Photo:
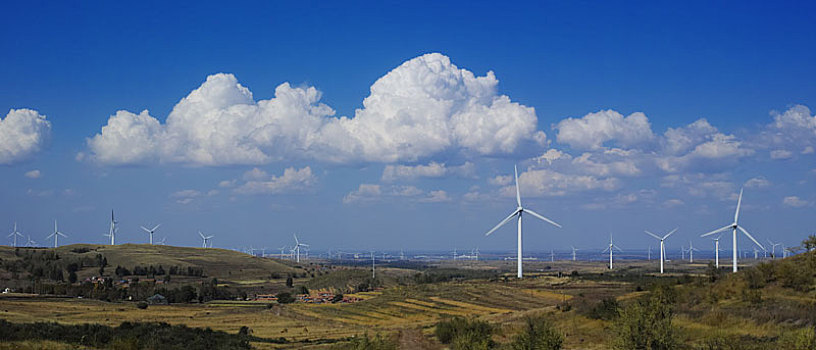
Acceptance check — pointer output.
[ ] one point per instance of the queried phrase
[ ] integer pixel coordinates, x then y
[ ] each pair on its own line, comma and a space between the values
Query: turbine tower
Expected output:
151, 232
519, 212
691, 252
31, 242
734, 227
56, 234
14, 234
611, 247
113, 229
717, 251
297, 248
773, 248
206, 239
662, 246
573, 252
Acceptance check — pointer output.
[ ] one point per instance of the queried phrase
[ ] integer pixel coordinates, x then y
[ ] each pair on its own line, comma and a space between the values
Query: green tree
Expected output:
647, 323
538, 334
464, 333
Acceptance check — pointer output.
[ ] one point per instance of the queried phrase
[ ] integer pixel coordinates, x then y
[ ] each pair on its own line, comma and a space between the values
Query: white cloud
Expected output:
374, 192
781, 154
673, 203
808, 150
757, 182
292, 180
701, 185
552, 155
545, 182
424, 107
23, 133
607, 163
393, 173
794, 201
33, 174
595, 129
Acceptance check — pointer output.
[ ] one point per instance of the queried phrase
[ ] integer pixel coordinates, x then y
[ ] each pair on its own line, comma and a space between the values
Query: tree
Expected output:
289, 281
72, 277
538, 334
647, 324
285, 298
809, 243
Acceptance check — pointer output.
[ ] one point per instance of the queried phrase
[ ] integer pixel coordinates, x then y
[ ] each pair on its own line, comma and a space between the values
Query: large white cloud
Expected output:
424, 107
23, 133
595, 129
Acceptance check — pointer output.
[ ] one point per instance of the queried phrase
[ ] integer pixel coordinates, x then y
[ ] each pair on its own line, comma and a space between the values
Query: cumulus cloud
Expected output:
701, 185
373, 193
545, 182
33, 174
292, 180
393, 173
781, 154
595, 129
794, 201
757, 182
23, 132
424, 107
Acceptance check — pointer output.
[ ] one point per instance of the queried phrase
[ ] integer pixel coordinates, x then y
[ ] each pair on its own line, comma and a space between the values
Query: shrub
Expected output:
802, 339
142, 305
608, 309
285, 298
366, 343
538, 334
463, 333
647, 324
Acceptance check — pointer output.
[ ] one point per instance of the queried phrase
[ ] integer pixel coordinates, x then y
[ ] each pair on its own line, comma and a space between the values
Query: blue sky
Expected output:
621, 117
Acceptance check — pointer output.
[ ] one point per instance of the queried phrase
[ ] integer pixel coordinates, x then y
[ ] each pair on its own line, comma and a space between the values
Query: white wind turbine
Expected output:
206, 239
611, 247
151, 232
56, 234
31, 242
691, 252
734, 227
519, 212
662, 246
297, 248
14, 234
573, 252
773, 248
162, 241
113, 229
717, 251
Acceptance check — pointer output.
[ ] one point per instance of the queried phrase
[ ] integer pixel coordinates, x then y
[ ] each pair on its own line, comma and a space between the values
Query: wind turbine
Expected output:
649, 254
206, 239
773, 248
717, 251
662, 246
610, 248
162, 241
14, 234
519, 212
691, 251
297, 247
373, 266
573, 252
734, 227
151, 231
31, 242
113, 229
56, 234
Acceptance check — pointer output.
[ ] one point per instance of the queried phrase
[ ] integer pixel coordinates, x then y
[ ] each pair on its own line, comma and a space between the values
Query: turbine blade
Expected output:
616, 247
145, 229
296, 240
749, 236
201, 234
502, 222
717, 230
541, 217
518, 192
156, 228
670, 233
739, 202
605, 250
651, 234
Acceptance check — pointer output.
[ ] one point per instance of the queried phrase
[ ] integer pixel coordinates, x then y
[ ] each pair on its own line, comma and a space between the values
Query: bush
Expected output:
142, 305
285, 298
538, 334
366, 343
608, 309
647, 324
803, 339
463, 333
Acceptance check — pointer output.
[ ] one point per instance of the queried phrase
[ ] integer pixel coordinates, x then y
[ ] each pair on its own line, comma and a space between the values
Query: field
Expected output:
406, 308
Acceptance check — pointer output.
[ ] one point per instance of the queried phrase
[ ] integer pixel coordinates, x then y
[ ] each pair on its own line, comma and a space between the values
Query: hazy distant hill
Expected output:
219, 263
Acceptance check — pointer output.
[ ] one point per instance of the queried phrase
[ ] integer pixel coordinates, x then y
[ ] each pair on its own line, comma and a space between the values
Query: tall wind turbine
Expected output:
151, 232
662, 246
573, 252
773, 248
519, 212
206, 239
611, 247
297, 247
113, 229
56, 234
14, 234
734, 227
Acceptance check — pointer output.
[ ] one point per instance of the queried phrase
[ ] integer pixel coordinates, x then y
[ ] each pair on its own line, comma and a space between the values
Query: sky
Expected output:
396, 125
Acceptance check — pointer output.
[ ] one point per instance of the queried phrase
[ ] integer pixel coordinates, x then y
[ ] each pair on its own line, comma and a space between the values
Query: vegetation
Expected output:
538, 334
463, 333
365, 342
647, 323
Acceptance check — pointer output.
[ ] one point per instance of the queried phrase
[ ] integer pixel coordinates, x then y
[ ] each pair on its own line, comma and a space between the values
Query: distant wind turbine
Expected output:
691, 252
14, 234
31, 242
56, 234
151, 232
113, 229
610, 248
206, 239
717, 251
662, 246
297, 247
773, 248
519, 212
573, 252
162, 241
734, 227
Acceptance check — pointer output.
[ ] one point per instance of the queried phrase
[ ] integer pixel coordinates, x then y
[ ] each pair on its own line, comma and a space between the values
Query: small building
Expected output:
157, 299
